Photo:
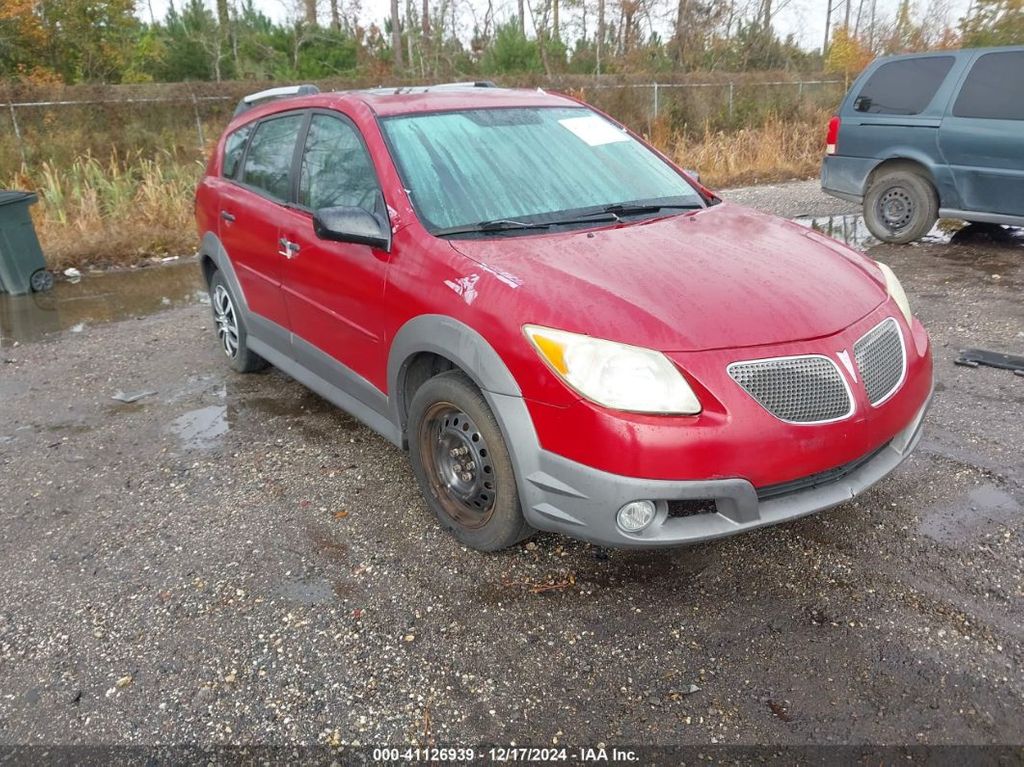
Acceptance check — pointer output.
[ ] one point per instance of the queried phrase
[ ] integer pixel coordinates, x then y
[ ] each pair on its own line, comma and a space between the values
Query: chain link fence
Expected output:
56, 125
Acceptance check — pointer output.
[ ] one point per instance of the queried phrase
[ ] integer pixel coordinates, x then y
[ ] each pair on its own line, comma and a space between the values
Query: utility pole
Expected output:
828, 21
871, 44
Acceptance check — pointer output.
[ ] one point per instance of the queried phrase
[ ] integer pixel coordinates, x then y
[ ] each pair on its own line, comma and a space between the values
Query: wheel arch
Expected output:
918, 165
213, 257
431, 344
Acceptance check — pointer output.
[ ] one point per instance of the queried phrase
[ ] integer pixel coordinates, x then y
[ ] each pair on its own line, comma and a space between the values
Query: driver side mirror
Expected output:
352, 224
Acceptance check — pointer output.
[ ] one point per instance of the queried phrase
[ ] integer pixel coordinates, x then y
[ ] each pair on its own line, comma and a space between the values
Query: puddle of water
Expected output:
852, 230
203, 428
983, 510
97, 298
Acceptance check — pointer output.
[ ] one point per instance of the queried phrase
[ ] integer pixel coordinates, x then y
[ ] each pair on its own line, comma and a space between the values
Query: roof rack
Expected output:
282, 92
399, 89
466, 84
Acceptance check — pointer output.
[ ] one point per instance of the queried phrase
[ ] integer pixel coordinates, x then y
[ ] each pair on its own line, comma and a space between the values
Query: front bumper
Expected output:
563, 496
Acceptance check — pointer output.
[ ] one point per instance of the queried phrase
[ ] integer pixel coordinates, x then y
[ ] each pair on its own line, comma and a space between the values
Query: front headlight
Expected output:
615, 375
896, 291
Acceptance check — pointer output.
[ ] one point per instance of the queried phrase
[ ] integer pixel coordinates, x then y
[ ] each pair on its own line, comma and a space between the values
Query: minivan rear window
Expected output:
904, 87
994, 89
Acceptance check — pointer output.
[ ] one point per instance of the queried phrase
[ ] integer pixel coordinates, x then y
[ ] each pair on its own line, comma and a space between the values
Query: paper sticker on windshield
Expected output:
594, 130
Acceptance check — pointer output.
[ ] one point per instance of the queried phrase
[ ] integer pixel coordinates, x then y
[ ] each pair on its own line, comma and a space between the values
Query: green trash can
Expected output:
22, 266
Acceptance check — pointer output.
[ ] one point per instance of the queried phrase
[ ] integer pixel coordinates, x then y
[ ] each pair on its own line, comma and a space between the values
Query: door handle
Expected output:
289, 249
227, 216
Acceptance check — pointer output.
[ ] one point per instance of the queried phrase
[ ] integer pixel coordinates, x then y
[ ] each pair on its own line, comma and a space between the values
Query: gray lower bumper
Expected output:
567, 497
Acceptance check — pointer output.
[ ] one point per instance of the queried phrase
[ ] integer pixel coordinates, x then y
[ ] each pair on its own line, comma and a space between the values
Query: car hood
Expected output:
721, 277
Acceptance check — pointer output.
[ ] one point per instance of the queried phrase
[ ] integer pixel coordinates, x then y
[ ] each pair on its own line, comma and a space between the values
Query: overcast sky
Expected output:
804, 18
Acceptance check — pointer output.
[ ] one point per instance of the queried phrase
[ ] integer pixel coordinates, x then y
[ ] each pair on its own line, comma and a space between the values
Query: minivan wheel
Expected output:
231, 332
900, 207
462, 464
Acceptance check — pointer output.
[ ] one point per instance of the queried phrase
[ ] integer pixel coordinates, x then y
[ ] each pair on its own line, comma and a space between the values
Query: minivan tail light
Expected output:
833, 135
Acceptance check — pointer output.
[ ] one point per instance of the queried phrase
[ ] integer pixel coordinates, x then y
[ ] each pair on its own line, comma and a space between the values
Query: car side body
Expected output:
366, 326
954, 119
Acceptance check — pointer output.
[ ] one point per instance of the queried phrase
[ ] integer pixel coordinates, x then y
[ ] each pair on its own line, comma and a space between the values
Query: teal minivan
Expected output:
924, 136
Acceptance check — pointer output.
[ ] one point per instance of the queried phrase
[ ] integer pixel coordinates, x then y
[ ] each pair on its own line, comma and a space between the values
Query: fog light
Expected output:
635, 516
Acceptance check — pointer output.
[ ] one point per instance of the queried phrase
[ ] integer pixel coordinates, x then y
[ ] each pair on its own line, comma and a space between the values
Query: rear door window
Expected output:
268, 160
994, 89
903, 87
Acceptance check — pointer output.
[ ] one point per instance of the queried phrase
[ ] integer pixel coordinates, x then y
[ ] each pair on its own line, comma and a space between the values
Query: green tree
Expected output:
994, 22
511, 52
191, 45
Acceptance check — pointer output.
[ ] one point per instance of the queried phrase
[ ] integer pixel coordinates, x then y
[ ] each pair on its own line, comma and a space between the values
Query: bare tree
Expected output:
310, 6
600, 33
335, 16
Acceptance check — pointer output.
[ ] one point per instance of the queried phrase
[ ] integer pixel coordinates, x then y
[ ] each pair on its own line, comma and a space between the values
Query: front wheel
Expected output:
900, 207
462, 464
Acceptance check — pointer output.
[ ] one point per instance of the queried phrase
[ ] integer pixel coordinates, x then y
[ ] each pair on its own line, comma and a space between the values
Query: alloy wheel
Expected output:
227, 320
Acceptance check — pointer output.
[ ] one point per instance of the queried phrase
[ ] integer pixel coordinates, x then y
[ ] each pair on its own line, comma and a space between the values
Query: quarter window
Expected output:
336, 169
994, 89
904, 87
268, 161
233, 150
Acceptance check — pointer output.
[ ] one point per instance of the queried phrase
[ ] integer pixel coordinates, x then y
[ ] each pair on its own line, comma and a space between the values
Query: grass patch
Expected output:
115, 212
779, 149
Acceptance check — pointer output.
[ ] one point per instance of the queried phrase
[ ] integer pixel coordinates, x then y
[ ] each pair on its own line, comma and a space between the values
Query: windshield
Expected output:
525, 165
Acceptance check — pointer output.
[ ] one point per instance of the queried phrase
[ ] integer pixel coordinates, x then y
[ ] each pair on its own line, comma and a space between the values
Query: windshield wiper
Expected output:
607, 213
497, 225
636, 209
508, 225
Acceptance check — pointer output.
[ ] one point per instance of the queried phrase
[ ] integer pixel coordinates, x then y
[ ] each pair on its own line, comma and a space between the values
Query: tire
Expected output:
462, 464
230, 327
901, 206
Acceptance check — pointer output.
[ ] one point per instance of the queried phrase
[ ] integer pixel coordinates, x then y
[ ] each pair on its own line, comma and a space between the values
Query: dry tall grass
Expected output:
113, 212
126, 209
778, 149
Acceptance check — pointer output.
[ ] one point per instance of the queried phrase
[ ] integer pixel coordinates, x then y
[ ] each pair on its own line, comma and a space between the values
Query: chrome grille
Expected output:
805, 389
881, 360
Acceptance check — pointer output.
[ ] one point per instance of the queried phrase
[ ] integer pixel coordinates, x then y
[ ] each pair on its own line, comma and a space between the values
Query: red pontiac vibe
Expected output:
564, 330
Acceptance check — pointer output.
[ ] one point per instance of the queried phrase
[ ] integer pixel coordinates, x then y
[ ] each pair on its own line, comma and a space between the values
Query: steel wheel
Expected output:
900, 206
896, 209
459, 466
227, 320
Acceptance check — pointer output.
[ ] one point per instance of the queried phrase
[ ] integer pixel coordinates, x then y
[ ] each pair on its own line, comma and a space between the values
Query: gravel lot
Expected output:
232, 560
